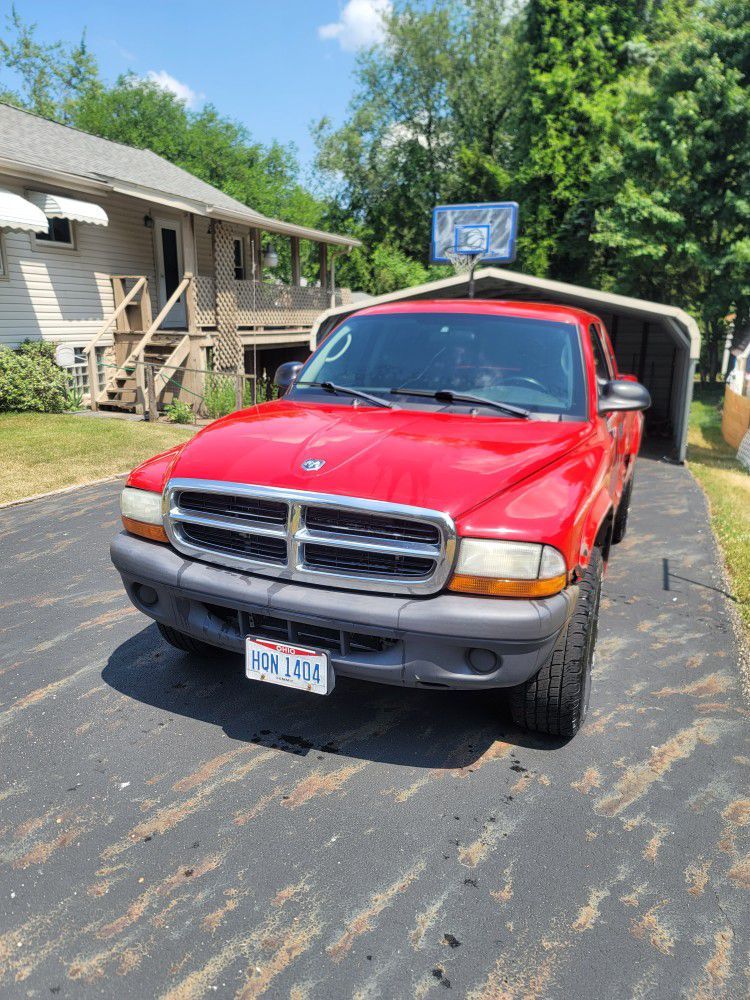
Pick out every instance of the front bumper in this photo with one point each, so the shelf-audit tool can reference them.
(403, 640)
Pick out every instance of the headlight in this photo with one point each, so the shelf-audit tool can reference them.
(508, 569)
(141, 514)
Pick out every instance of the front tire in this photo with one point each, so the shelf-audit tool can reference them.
(184, 642)
(556, 699)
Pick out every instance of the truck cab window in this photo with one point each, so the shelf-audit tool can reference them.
(601, 362)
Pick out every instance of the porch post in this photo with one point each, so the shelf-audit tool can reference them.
(228, 352)
(192, 381)
(296, 269)
(324, 265)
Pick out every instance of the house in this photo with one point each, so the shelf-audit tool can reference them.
(128, 259)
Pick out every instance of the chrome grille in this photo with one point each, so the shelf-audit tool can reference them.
(340, 541)
(370, 525)
(367, 563)
(254, 509)
(224, 540)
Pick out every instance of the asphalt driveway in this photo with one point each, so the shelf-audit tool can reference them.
(168, 829)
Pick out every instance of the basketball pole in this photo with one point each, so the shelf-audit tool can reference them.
(472, 269)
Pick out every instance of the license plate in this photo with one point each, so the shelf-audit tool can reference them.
(290, 666)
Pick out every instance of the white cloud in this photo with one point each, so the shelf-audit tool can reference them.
(165, 81)
(360, 25)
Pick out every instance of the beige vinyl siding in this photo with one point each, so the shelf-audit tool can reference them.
(63, 294)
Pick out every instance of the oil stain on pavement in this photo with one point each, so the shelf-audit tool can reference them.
(168, 829)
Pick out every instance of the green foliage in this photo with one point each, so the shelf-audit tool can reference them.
(620, 126)
(572, 55)
(219, 395)
(30, 381)
(179, 412)
(266, 391)
(73, 398)
(51, 75)
(674, 190)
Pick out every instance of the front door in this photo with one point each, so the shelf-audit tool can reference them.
(169, 266)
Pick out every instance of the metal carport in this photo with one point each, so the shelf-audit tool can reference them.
(659, 344)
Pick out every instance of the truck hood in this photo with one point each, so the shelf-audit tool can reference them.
(445, 461)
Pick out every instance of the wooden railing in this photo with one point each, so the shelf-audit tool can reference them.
(138, 351)
(261, 303)
(90, 349)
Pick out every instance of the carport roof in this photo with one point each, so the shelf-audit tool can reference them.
(494, 282)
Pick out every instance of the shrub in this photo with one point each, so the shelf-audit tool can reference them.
(266, 391)
(179, 412)
(219, 396)
(30, 381)
(73, 398)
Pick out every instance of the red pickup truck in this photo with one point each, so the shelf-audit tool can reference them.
(431, 503)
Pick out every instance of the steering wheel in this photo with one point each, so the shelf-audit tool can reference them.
(525, 380)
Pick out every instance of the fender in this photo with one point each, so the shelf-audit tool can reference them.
(563, 505)
(600, 511)
(154, 472)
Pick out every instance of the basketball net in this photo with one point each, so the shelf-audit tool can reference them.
(464, 263)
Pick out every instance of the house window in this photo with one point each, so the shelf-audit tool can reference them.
(59, 233)
(239, 259)
(3, 263)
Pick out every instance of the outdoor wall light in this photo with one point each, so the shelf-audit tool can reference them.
(270, 257)
(148, 221)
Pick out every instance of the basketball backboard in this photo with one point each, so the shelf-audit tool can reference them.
(484, 232)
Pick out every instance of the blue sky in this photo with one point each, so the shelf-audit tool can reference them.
(275, 65)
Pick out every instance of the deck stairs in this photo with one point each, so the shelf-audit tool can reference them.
(165, 352)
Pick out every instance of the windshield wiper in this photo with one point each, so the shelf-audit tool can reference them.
(449, 396)
(344, 390)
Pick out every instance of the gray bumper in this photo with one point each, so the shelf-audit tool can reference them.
(418, 642)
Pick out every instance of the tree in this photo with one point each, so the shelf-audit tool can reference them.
(573, 55)
(428, 121)
(674, 190)
(394, 152)
(51, 75)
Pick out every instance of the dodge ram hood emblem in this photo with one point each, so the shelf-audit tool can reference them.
(313, 464)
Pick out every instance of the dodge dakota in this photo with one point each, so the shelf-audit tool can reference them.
(431, 502)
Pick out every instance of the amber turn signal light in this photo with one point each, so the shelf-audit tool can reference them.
(154, 532)
(487, 586)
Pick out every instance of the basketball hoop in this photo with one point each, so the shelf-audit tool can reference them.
(464, 262)
(464, 235)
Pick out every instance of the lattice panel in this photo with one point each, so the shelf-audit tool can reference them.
(263, 304)
(205, 300)
(228, 350)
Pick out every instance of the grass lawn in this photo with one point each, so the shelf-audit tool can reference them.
(727, 487)
(44, 451)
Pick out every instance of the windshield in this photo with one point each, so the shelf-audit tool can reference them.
(529, 363)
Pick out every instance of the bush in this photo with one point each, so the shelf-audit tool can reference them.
(265, 393)
(220, 395)
(179, 412)
(30, 381)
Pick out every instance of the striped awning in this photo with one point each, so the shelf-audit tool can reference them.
(18, 213)
(57, 206)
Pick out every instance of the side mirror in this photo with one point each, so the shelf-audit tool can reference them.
(287, 373)
(621, 395)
